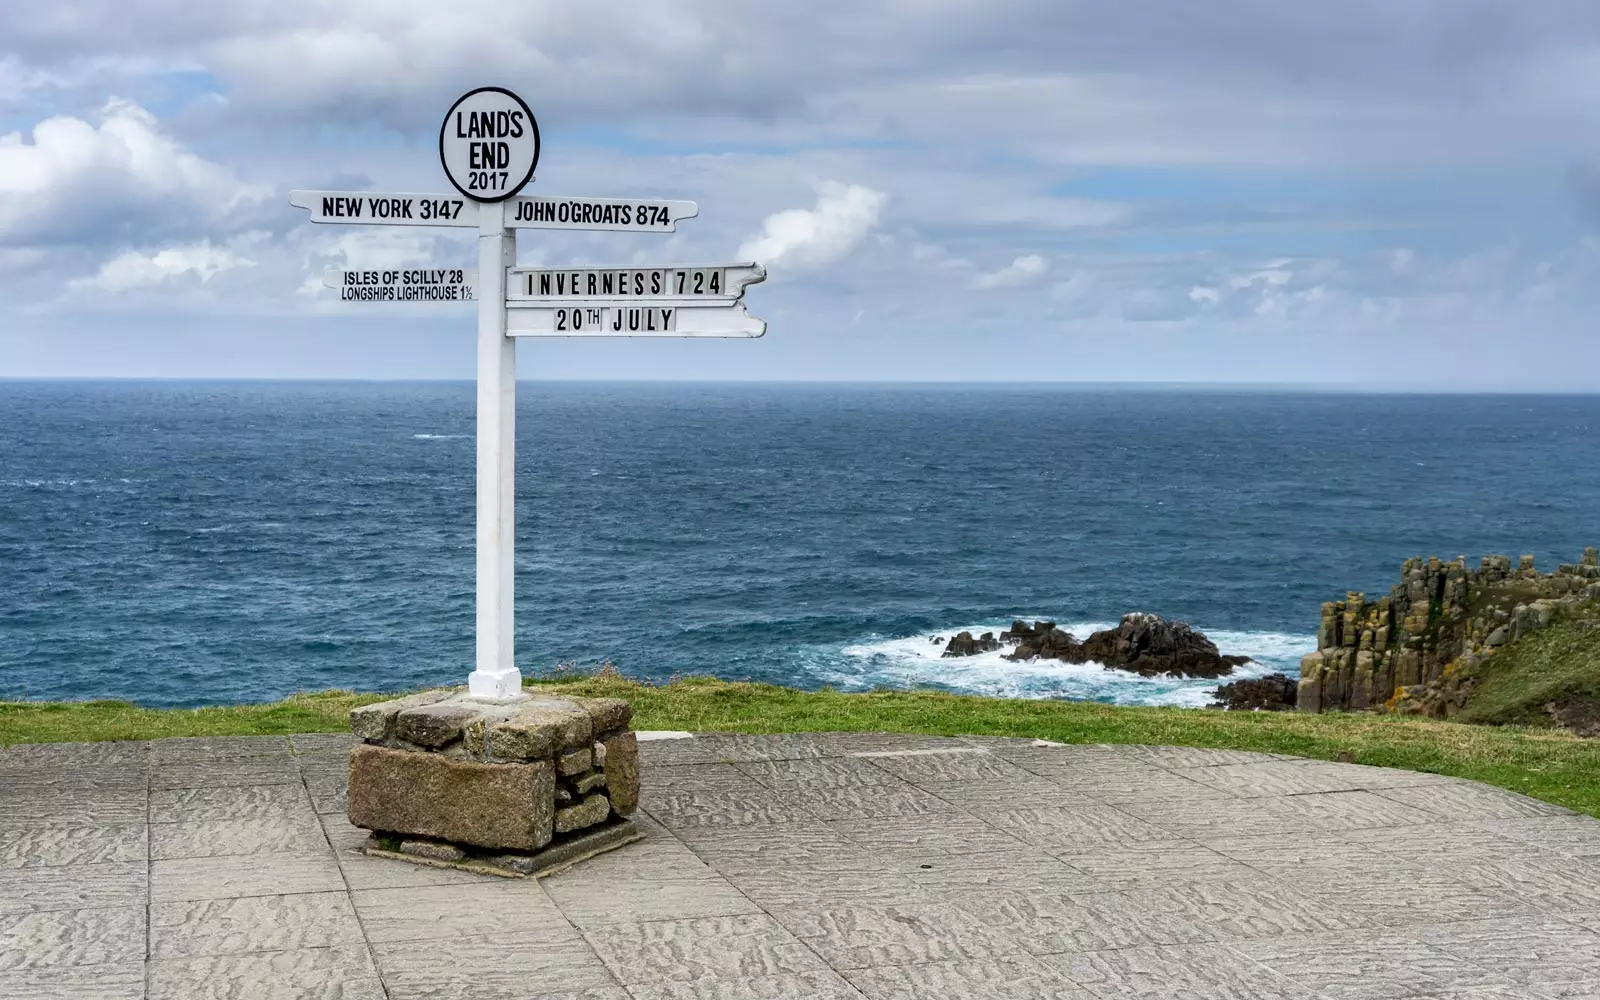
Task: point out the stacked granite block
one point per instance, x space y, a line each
520 786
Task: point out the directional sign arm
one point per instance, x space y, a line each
404 284
680 284
379 208
634 215
635 319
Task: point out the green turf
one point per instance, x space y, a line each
1549 765
1556 664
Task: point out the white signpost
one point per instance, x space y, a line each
489 147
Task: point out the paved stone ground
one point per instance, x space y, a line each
820 867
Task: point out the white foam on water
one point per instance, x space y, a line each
915 661
440 437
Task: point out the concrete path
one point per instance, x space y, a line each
818 867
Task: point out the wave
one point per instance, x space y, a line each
440 437
916 661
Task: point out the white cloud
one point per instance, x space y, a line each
76 180
1022 271
132 269
843 216
996 126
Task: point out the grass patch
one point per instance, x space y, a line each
1545 764
96 721
1559 664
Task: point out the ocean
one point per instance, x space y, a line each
193 543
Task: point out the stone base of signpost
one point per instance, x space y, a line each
525 786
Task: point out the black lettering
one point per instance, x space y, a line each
544 284
516 124
655 282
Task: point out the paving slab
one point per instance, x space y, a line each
1018 977
783 986
344 972
111 935
876 865
73 887
47 846
234 876
253 923
1190 971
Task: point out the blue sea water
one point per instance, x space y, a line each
190 543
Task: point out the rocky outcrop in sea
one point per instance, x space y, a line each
1272 693
1413 651
1145 644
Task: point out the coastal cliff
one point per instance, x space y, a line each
1418 649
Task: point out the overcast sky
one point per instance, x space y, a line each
1369 192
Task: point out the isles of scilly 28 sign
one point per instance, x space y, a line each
489 144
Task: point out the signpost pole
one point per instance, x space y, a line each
495 675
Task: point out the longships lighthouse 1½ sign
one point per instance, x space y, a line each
489 148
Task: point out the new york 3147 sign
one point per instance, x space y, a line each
489 147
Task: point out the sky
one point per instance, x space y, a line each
1370 193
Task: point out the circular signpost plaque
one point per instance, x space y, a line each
489 144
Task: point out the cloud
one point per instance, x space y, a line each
1176 171
76 181
1022 271
843 216
132 269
